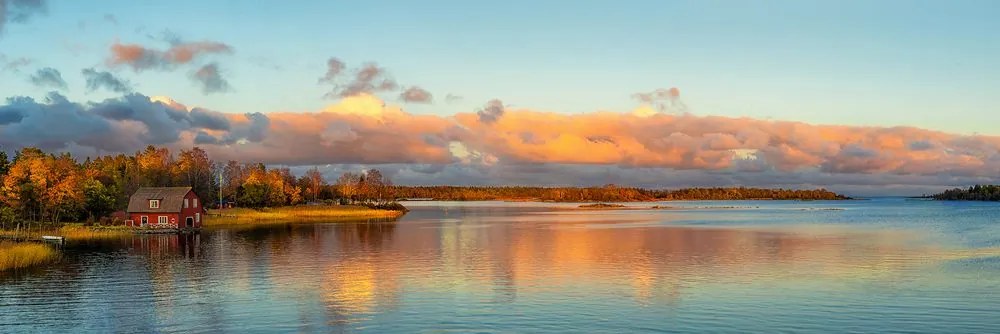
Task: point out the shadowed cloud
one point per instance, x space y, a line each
19 11
210 79
48 77
103 79
416 94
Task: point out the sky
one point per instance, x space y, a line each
870 98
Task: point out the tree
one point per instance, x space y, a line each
4 163
194 169
233 176
154 167
99 201
256 188
315 183
347 185
21 190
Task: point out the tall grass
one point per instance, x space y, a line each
23 255
312 213
84 233
72 232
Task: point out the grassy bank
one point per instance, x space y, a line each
23 255
71 231
311 213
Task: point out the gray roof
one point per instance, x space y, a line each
171 199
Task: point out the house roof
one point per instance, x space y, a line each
171 199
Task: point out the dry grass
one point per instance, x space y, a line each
72 232
310 213
83 233
23 255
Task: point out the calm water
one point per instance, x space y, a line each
886 265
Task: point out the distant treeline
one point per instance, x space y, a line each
974 193
608 193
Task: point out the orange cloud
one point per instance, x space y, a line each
362 129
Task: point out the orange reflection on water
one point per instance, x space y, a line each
356 270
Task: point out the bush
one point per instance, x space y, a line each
394 206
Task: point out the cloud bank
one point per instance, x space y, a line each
499 144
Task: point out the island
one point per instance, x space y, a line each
978 192
606 193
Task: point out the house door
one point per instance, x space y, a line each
144 220
189 221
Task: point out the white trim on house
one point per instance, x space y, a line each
143 220
185 203
162 220
154 204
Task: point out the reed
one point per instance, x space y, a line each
24 255
71 231
309 213
83 233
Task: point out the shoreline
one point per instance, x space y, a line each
293 214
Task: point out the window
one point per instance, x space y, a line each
162 220
185 203
154 204
197 217
195 202
144 220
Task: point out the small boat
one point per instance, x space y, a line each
53 238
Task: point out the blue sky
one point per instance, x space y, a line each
927 64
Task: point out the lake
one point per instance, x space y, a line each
879 265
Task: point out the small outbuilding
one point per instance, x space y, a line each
164 207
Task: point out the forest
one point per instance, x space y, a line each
607 193
40 187
974 193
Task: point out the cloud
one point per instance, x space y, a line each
490 113
334 67
48 77
19 11
13 65
114 125
416 94
141 58
110 18
210 79
102 79
663 99
503 145
368 79
452 98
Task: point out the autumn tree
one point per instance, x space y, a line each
255 189
154 167
348 184
233 176
194 169
313 183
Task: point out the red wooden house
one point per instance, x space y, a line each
167 207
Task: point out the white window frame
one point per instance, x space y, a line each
154 204
162 220
197 217
195 202
185 203
144 220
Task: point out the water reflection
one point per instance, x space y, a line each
469 263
